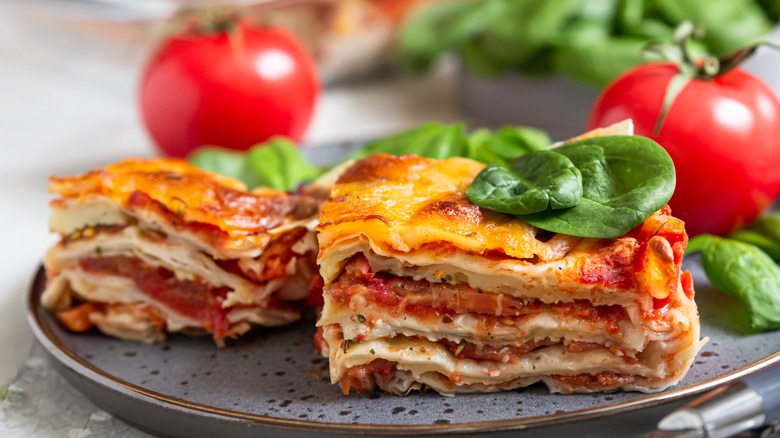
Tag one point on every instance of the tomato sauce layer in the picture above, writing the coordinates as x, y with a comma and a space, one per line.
193, 299
512, 353
606, 378
402, 295
380, 369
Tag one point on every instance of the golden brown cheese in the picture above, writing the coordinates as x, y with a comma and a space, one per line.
406, 202
189, 195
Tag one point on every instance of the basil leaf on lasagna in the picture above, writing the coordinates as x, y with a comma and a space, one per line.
534, 182
625, 179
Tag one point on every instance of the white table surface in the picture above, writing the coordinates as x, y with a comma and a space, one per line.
67, 105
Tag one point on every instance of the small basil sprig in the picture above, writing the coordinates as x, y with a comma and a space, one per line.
534, 182
625, 179
744, 271
277, 163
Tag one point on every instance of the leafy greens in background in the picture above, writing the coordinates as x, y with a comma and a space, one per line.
439, 141
506, 144
744, 271
763, 233
279, 164
224, 162
589, 41
276, 163
431, 140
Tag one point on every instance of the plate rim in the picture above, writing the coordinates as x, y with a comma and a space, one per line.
70, 360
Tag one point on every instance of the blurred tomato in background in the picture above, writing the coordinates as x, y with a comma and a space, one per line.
723, 134
234, 83
232, 86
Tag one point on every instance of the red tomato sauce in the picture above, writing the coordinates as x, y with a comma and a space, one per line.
193, 299
604, 379
353, 377
434, 300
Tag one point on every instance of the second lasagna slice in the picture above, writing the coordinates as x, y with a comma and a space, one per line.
425, 289
156, 246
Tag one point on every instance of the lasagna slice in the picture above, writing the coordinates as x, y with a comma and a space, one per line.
424, 289
156, 246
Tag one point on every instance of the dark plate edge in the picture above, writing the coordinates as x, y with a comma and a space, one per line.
72, 362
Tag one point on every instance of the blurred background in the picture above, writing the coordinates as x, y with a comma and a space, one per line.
70, 71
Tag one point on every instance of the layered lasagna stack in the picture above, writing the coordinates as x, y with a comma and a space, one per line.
425, 289
156, 246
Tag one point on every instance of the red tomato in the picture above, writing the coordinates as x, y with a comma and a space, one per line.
226, 90
723, 135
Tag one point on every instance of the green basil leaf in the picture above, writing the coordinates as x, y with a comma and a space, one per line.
278, 164
698, 243
439, 141
431, 140
526, 29
728, 24
225, 162
589, 41
625, 179
601, 61
763, 233
479, 136
771, 9
746, 272
438, 27
534, 182
507, 143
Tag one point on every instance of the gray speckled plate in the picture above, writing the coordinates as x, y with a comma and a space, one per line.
272, 380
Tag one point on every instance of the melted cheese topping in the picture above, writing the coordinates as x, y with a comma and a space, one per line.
175, 194
404, 203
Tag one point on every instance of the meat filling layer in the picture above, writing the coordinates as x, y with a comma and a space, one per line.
402, 295
192, 298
